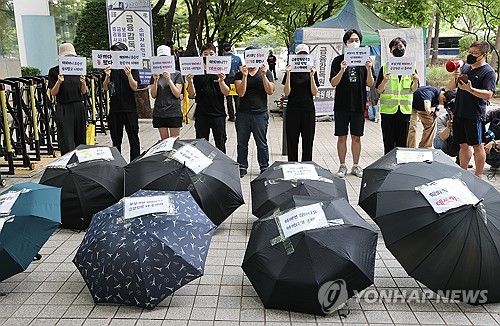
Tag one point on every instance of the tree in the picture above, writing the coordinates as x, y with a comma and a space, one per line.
92, 28
8, 36
197, 10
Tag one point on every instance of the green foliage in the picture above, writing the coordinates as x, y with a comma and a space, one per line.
8, 35
92, 29
65, 15
159, 29
437, 76
404, 13
30, 71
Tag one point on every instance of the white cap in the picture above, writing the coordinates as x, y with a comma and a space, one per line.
163, 50
302, 48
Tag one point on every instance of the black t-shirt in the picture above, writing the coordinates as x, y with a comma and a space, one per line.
467, 105
70, 88
425, 93
209, 97
350, 93
123, 99
166, 104
300, 98
255, 99
271, 60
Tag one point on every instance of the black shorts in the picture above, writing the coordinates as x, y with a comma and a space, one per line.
167, 122
468, 131
346, 121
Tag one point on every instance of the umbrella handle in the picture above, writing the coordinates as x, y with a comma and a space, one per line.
479, 202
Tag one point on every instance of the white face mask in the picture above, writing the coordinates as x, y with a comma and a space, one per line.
353, 45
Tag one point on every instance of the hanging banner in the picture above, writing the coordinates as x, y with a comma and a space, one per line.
76, 66
165, 63
216, 65
302, 219
356, 56
445, 194
191, 65
300, 62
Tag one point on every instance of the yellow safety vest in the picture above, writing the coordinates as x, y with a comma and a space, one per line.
397, 94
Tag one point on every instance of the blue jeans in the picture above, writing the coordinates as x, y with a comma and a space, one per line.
257, 125
440, 144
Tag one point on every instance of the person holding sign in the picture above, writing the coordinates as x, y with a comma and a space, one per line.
166, 89
209, 91
300, 87
70, 116
350, 84
122, 83
476, 84
396, 95
235, 66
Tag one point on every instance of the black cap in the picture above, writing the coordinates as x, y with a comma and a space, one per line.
226, 46
119, 46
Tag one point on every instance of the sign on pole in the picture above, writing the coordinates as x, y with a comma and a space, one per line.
73, 66
130, 22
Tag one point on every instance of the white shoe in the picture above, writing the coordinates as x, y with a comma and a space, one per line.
357, 171
342, 171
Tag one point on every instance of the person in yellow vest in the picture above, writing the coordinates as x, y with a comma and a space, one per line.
396, 95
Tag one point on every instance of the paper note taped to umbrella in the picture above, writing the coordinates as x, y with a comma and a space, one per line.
406, 156
94, 153
445, 194
7, 200
299, 171
163, 146
193, 158
138, 206
302, 219
61, 162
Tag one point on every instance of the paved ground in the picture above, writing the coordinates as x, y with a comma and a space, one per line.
52, 291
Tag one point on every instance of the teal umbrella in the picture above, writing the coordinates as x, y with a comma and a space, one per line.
29, 213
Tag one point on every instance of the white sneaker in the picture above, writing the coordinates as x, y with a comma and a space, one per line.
357, 171
342, 171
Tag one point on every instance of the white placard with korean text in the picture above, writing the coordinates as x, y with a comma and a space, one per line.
255, 58
191, 65
165, 63
356, 56
445, 194
94, 153
163, 146
127, 58
193, 158
406, 156
401, 66
216, 65
61, 162
76, 66
299, 171
102, 59
139, 206
8, 200
302, 219
300, 62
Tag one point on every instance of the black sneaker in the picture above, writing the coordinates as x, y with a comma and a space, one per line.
242, 173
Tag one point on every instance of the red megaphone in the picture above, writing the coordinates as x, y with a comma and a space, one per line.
451, 66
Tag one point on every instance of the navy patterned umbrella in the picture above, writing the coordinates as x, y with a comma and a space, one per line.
145, 247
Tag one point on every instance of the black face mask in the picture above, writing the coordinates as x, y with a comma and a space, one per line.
398, 52
471, 59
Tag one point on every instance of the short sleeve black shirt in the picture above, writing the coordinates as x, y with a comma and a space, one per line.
70, 88
123, 100
300, 98
166, 104
350, 93
425, 93
255, 99
209, 97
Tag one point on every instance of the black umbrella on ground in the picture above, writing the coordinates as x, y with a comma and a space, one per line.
333, 248
194, 165
282, 180
375, 173
90, 178
143, 248
453, 251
